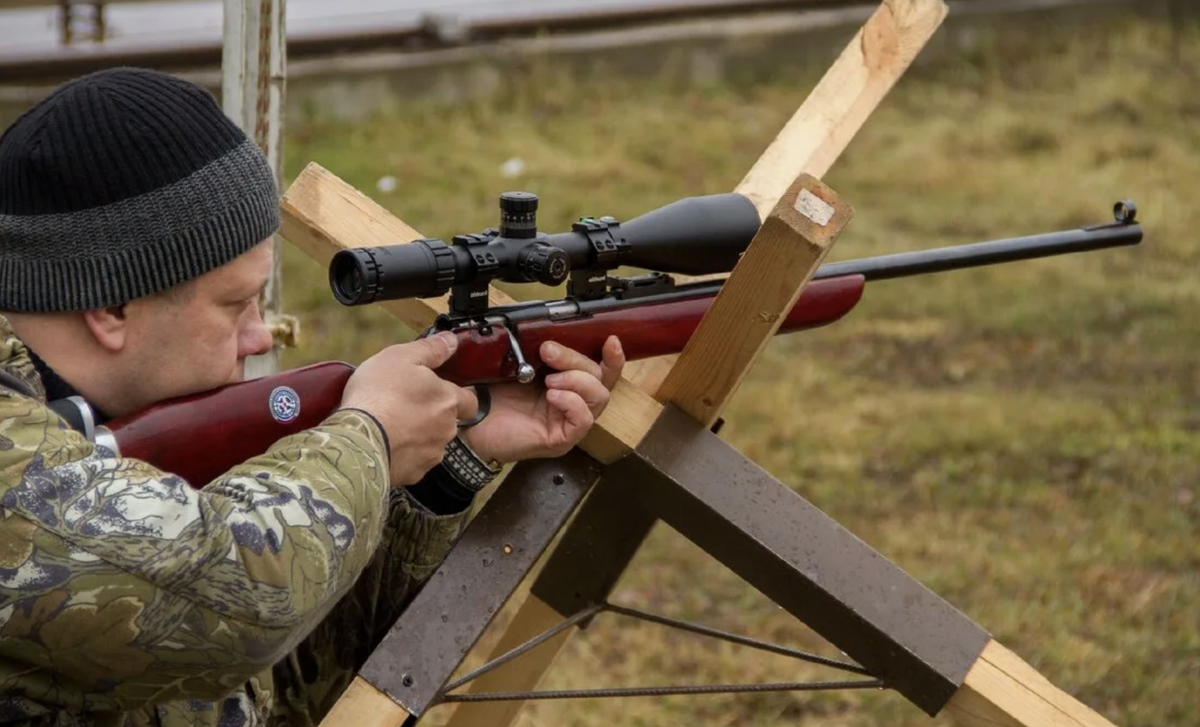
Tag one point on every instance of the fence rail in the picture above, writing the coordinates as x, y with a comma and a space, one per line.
418, 25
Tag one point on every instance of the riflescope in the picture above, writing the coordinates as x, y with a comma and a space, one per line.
692, 236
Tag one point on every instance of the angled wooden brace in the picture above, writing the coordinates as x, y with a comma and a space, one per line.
321, 215
810, 142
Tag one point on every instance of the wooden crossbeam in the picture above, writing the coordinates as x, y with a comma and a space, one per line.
1000, 690
830, 117
809, 143
748, 310
322, 214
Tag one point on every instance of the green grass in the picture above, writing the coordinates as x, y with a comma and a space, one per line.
1022, 439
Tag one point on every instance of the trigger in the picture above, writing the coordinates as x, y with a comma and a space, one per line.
485, 404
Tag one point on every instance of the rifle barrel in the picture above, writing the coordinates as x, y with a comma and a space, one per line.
957, 257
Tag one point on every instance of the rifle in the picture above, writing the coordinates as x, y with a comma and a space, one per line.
199, 437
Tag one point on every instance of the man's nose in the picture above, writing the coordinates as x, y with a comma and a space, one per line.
255, 338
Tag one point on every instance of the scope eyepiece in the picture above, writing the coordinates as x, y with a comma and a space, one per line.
419, 269
354, 276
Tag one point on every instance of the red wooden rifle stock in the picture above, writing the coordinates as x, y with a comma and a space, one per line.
202, 436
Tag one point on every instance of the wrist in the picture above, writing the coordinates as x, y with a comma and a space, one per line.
480, 448
468, 467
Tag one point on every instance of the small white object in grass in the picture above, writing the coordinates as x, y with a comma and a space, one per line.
386, 184
512, 168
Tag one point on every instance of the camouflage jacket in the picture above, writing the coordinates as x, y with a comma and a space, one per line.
129, 597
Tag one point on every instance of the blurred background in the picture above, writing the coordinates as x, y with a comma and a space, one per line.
1021, 438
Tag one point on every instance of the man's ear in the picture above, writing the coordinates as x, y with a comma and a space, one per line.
109, 326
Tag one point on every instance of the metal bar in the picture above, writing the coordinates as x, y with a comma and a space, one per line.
664, 691
431, 638
525, 648
802, 559
737, 639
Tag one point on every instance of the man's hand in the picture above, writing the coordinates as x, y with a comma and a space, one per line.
418, 409
529, 421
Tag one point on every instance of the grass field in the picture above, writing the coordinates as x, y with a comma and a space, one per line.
1022, 439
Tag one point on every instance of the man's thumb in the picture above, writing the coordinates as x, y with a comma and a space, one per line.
437, 349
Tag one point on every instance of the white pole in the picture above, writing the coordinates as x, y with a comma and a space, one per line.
253, 76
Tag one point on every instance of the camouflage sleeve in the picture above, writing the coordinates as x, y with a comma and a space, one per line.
307, 684
120, 583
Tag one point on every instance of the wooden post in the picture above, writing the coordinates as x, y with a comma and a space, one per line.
253, 77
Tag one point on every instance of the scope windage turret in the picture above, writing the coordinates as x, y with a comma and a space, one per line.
692, 236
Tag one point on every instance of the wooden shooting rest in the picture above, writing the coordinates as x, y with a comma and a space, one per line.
653, 455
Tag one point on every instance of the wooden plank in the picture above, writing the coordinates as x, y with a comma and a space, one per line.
832, 114
810, 142
1002, 690
838, 107
322, 214
748, 310
362, 705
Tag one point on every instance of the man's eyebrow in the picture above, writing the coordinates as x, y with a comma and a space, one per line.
240, 293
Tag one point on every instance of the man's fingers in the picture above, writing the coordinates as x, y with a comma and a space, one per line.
612, 362
593, 392
568, 359
578, 417
468, 403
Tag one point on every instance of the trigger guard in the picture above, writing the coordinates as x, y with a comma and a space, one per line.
485, 405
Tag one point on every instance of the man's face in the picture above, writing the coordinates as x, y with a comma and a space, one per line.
197, 337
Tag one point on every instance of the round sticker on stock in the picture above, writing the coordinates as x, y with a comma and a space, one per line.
285, 404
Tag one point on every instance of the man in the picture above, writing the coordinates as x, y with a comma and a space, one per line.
135, 221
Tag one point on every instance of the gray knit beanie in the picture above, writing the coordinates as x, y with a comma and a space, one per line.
123, 183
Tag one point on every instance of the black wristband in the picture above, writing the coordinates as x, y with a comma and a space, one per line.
467, 468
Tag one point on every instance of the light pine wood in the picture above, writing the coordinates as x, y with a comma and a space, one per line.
1002, 690
830, 117
362, 705
792, 242
849, 92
